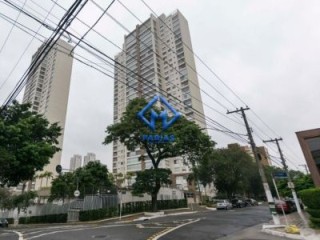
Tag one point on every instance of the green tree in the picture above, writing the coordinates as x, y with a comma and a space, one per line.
90, 179
231, 170
24, 200
129, 130
147, 181
5, 199
94, 177
27, 142
63, 187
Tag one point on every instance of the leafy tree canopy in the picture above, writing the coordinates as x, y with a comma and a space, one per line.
90, 179
27, 142
146, 181
231, 170
189, 139
190, 142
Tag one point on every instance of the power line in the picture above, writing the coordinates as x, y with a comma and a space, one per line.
210, 107
57, 33
227, 132
214, 73
12, 27
191, 67
25, 50
93, 25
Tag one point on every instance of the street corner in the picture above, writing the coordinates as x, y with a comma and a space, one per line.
290, 232
310, 234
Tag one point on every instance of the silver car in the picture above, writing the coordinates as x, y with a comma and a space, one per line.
224, 204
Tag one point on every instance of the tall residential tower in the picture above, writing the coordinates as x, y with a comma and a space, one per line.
47, 91
158, 59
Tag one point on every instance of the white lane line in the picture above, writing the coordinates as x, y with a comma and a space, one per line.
19, 234
175, 228
77, 229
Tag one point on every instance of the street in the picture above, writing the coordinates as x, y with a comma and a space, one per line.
202, 225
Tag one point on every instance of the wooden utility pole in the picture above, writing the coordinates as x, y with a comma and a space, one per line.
266, 187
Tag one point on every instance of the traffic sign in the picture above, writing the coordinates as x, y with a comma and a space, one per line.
76, 193
58, 168
280, 175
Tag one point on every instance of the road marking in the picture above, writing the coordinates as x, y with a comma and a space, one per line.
19, 234
168, 230
77, 229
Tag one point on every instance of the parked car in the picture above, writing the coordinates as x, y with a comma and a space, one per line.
288, 206
238, 203
4, 223
224, 204
251, 202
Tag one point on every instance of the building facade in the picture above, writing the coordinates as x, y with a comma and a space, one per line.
90, 157
47, 90
158, 60
75, 162
310, 144
262, 151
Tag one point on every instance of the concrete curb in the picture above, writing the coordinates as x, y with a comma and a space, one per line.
269, 230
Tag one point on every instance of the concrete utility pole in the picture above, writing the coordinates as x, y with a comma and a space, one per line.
290, 183
266, 187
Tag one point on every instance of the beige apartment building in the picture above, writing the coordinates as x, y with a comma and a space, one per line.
160, 51
47, 90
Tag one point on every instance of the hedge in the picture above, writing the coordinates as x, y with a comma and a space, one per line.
96, 214
53, 218
315, 222
129, 208
314, 212
10, 220
310, 197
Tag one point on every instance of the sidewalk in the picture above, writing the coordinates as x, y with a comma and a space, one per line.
306, 233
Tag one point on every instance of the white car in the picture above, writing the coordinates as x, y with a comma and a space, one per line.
224, 204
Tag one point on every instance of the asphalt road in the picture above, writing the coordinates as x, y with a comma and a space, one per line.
204, 225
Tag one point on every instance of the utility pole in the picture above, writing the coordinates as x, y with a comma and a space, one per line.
290, 183
266, 187
305, 167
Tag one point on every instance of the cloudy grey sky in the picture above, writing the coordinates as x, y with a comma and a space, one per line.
267, 52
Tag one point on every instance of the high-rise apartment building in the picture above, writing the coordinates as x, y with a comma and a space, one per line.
75, 162
90, 157
47, 90
158, 59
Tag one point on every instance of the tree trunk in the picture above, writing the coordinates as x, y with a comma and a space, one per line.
154, 195
154, 202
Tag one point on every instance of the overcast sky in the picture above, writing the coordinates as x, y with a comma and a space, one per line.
266, 52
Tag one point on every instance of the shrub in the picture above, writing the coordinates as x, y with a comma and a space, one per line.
310, 197
315, 222
52, 218
314, 212
10, 220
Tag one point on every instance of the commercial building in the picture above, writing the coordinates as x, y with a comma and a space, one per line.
47, 90
90, 157
75, 162
157, 59
310, 144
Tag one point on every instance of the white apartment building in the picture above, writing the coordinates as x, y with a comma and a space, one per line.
90, 157
75, 162
160, 51
48, 90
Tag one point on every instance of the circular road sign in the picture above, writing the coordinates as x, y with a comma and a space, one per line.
76, 193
